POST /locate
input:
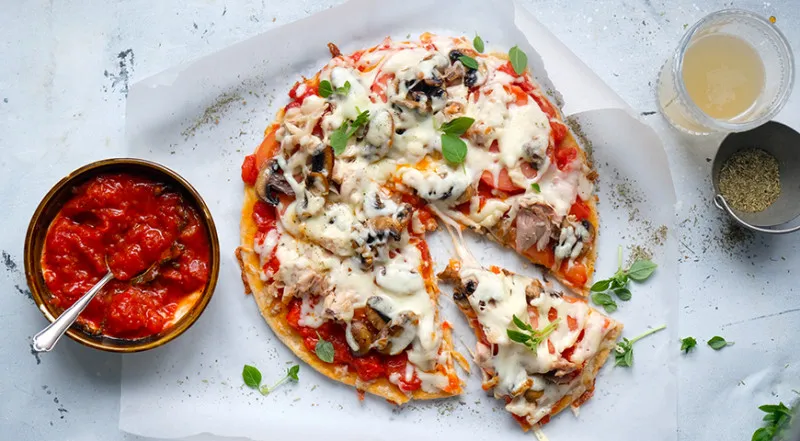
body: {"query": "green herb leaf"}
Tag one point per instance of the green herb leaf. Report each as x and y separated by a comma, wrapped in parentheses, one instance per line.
(623, 294)
(600, 286)
(468, 61)
(687, 344)
(453, 149)
(360, 120)
(293, 371)
(718, 343)
(519, 61)
(339, 139)
(517, 336)
(623, 352)
(458, 126)
(776, 421)
(520, 324)
(324, 350)
(325, 88)
(251, 376)
(605, 301)
(535, 187)
(344, 90)
(477, 43)
(641, 270)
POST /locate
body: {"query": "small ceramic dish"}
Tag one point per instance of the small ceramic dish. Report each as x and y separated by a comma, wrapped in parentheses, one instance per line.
(50, 206)
(783, 143)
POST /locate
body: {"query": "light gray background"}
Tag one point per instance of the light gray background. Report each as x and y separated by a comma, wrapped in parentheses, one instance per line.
(64, 71)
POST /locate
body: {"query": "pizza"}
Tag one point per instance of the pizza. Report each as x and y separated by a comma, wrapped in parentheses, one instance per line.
(354, 172)
(539, 350)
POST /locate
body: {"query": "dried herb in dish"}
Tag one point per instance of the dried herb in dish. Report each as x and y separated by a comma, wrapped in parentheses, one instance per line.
(750, 180)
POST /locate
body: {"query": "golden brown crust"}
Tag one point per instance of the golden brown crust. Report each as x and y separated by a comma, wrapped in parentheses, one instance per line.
(274, 314)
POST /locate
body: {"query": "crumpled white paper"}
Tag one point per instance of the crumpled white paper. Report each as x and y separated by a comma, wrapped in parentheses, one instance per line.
(202, 118)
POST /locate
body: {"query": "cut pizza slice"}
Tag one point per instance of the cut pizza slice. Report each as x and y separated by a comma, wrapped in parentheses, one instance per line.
(539, 350)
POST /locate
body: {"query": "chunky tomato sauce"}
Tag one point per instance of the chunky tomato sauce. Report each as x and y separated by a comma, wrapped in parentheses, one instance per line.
(130, 223)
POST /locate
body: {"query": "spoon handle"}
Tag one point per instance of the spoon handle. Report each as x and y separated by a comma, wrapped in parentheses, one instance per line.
(47, 338)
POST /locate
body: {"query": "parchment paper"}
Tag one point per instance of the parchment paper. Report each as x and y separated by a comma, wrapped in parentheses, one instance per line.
(202, 118)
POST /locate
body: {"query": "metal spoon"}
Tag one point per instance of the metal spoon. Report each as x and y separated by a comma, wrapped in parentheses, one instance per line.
(47, 338)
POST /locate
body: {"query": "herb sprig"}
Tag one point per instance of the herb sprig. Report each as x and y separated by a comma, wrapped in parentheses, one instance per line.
(326, 89)
(778, 417)
(324, 349)
(477, 43)
(252, 378)
(528, 336)
(623, 352)
(687, 344)
(454, 149)
(640, 271)
(340, 136)
(519, 61)
(716, 342)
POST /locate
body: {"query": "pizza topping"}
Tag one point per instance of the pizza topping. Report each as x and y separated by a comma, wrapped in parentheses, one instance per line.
(397, 334)
(535, 226)
(378, 137)
(271, 182)
(574, 239)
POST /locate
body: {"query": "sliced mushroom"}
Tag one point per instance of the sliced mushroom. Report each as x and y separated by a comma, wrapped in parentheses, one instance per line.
(375, 318)
(533, 290)
(454, 74)
(532, 395)
(322, 160)
(535, 226)
(379, 135)
(271, 182)
(317, 184)
(574, 239)
(361, 335)
(397, 334)
(335, 52)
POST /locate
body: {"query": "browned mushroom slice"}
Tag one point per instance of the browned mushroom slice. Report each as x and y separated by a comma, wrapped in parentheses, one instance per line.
(271, 182)
(317, 184)
(574, 239)
(335, 52)
(361, 335)
(397, 334)
(535, 226)
(322, 160)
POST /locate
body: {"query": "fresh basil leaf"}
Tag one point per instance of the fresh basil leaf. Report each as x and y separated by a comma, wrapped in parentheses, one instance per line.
(520, 324)
(251, 376)
(718, 343)
(339, 139)
(293, 371)
(687, 344)
(535, 187)
(324, 350)
(453, 149)
(775, 408)
(325, 88)
(763, 434)
(458, 126)
(477, 43)
(519, 61)
(641, 270)
(600, 286)
(605, 301)
(517, 336)
(623, 293)
(468, 61)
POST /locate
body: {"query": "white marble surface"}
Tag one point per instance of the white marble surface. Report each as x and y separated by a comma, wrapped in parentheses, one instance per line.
(64, 71)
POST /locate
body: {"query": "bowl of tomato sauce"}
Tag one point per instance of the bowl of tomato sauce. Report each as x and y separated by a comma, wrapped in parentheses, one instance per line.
(146, 225)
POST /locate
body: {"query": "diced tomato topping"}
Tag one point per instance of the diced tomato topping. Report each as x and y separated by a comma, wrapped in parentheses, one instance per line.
(521, 98)
(495, 147)
(396, 364)
(272, 265)
(559, 131)
(249, 170)
(528, 170)
(369, 367)
(495, 269)
(552, 314)
(264, 216)
(572, 323)
(267, 148)
(504, 182)
(576, 273)
(567, 353)
(546, 257)
(564, 156)
(379, 86)
(544, 105)
(293, 314)
(508, 68)
(580, 209)
(550, 348)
